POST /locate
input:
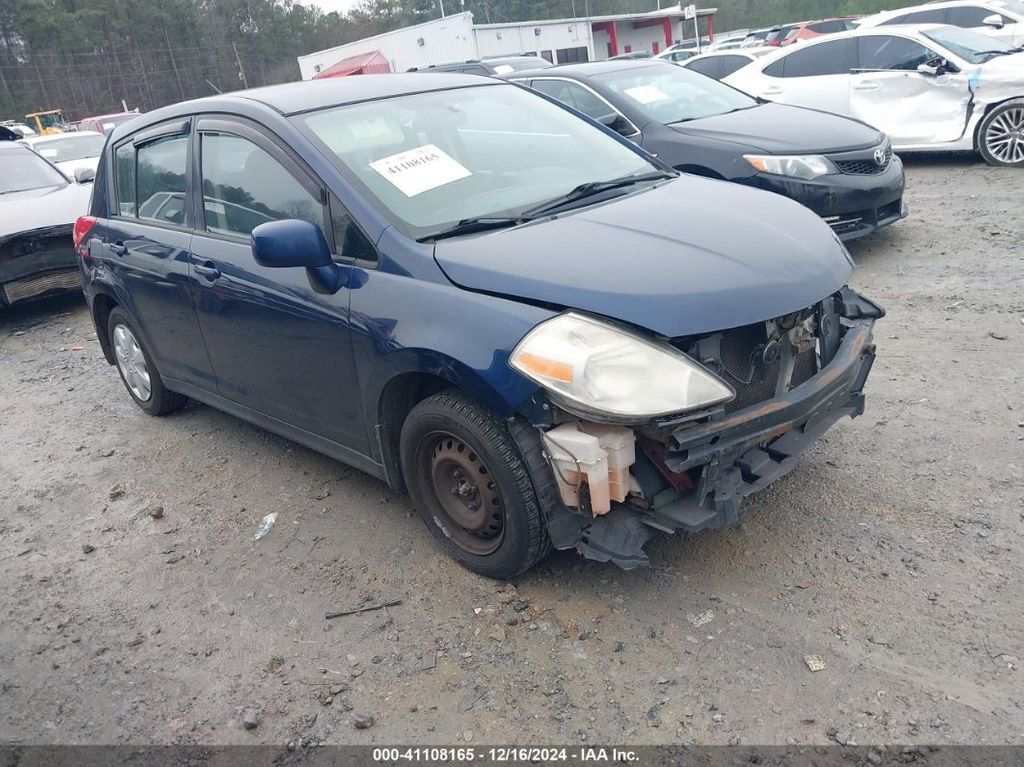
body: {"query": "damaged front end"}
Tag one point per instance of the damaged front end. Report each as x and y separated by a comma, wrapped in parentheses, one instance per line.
(792, 377)
(37, 262)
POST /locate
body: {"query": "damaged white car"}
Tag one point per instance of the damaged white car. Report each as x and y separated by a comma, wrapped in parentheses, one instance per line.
(930, 88)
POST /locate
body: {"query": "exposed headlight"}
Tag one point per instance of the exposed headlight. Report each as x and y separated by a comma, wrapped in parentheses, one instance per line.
(598, 369)
(798, 166)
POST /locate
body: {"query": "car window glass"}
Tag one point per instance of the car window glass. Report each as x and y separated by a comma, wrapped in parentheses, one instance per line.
(732, 64)
(575, 96)
(835, 57)
(124, 179)
(349, 239)
(243, 187)
(887, 52)
(970, 16)
(931, 16)
(160, 180)
(669, 94)
(712, 67)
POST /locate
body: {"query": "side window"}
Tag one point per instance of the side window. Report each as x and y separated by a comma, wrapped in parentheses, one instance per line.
(574, 95)
(349, 240)
(711, 67)
(968, 16)
(124, 180)
(732, 64)
(243, 187)
(837, 57)
(160, 179)
(828, 27)
(932, 16)
(894, 53)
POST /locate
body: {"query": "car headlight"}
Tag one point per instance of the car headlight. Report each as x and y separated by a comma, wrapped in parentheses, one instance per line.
(807, 167)
(598, 369)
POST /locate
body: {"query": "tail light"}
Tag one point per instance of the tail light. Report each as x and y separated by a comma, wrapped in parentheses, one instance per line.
(82, 227)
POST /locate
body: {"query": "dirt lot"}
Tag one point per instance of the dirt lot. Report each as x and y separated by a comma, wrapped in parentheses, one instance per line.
(895, 552)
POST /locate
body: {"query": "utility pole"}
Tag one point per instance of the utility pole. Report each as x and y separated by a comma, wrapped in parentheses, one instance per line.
(441, 2)
(241, 72)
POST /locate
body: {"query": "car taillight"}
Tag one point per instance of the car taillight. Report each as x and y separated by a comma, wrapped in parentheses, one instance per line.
(82, 227)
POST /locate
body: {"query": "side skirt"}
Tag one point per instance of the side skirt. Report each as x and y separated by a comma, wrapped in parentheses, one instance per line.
(320, 444)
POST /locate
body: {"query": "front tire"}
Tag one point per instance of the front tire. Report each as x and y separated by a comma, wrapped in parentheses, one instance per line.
(1001, 135)
(136, 368)
(470, 485)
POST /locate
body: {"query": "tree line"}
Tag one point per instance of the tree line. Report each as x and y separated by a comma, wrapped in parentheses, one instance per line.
(89, 57)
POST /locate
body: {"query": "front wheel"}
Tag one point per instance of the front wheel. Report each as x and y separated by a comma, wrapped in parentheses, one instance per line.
(471, 486)
(1001, 135)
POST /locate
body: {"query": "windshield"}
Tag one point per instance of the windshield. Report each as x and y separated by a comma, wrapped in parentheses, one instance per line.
(971, 46)
(1014, 6)
(670, 94)
(70, 148)
(26, 170)
(435, 159)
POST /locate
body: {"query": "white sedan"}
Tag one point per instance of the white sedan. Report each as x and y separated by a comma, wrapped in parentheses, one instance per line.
(69, 151)
(1001, 19)
(930, 88)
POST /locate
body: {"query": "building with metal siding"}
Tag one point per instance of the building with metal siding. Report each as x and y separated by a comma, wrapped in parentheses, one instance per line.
(457, 38)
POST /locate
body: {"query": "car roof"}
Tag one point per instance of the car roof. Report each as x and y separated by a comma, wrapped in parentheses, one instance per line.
(110, 114)
(590, 68)
(13, 146)
(59, 136)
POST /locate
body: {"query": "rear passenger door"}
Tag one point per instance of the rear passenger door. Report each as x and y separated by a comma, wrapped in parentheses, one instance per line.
(277, 346)
(147, 249)
(815, 75)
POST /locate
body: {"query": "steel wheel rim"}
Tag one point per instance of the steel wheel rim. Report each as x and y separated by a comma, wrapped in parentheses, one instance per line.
(1004, 137)
(132, 363)
(465, 501)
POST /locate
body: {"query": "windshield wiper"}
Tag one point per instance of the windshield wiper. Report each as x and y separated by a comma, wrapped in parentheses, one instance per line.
(592, 188)
(1001, 52)
(470, 225)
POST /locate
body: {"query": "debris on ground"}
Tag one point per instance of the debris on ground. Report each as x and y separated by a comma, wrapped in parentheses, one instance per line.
(815, 662)
(251, 718)
(265, 526)
(364, 609)
(363, 721)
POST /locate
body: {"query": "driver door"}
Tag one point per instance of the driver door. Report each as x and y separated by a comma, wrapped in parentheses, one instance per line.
(912, 107)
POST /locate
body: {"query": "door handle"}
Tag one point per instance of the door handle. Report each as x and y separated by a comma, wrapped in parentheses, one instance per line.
(119, 248)
(866, 86)
(207, 269)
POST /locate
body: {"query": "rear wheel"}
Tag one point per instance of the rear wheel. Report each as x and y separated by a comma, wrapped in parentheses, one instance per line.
(136, 368)
(1001, 135)
(471, 486)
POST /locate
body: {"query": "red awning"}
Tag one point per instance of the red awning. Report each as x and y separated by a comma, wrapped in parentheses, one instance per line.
(364, 64)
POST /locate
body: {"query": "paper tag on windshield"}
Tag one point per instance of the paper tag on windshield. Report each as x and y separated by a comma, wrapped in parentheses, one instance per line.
(645, 94)
(48, 152)
(420, 170)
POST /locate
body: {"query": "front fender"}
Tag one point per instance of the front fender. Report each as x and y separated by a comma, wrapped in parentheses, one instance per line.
(404, 325)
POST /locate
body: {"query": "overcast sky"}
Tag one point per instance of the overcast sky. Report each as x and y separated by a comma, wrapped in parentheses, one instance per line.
(333, 5)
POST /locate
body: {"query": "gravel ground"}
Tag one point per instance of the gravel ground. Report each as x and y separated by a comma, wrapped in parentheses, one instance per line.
(895, 552)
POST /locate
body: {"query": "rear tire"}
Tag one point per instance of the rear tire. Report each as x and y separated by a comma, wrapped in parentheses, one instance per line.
(136, 368)
(1001, 135)
(471, 486)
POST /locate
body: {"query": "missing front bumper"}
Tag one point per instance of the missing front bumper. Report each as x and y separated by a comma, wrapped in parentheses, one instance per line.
(733, 456)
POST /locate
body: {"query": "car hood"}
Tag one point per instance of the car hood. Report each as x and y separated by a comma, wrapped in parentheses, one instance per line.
(782, 129)
(38, 208)
(689, 256)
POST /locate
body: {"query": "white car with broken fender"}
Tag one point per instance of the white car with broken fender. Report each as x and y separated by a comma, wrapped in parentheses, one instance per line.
(930, 88)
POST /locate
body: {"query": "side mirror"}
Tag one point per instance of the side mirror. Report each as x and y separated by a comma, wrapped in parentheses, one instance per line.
(293, 242)
(928, 69)
(995, 20)
(85, 176)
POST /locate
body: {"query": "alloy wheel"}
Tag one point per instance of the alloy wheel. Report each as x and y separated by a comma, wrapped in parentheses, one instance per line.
(1004, 138)
(132, 363)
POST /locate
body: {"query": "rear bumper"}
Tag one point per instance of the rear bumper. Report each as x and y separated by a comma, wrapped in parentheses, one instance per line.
(853, 205)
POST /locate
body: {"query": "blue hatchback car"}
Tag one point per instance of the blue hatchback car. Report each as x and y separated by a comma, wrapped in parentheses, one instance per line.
(477, 295)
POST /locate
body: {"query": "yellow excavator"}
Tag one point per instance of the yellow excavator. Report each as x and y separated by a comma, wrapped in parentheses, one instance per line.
(46, 123)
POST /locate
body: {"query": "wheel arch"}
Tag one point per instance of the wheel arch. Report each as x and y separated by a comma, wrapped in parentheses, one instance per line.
(102, 305)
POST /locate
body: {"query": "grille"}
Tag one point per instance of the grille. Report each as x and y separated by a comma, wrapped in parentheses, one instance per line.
(866, 167)
(29, 287)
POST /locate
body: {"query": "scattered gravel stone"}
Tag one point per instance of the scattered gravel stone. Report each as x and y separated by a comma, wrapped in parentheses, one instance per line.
(250, 718)
(363, 721)
(88, 548)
